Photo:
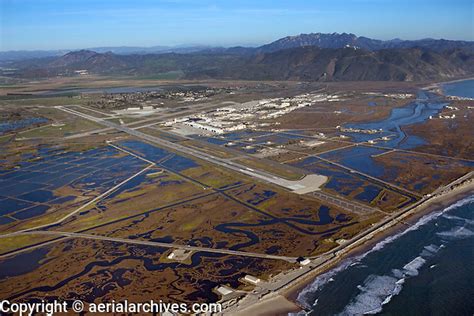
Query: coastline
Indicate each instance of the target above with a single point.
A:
(429, 207)
(437, 87)
(284, 301)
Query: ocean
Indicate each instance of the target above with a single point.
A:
(426, 269)
(463, 88)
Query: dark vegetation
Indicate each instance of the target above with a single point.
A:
(307, 57)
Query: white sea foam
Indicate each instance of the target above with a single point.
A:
(413, 266)
(320, 281)
(430, 250)
(323, 279)
(459, 219)
(401, 281)
(460, 232)
(376, 291)
(433, 248)
(397, 273)
(379, 290)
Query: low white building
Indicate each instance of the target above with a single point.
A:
(251, 279)
(205, 127)
(305, 262)
(224, 290)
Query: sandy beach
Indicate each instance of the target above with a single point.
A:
(276, 305)
(437, 87)
(283, 301)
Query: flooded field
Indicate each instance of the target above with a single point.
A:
(391, 278)
(20, 124)
(251, 142)
(176, 201)
(139, 217)
(54, 180)
(364, 190)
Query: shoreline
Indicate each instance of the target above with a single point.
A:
(437, 87)
(428, 208)
(284, 300)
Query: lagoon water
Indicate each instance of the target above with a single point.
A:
(425, 270)
(460, 89)
(417, 112)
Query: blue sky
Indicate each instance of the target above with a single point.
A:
(71, 24)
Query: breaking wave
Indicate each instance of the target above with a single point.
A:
(375, 291)
(460, 232)
(378, 290)
(431, 250)
(460, 219)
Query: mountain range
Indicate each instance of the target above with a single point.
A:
(311, 57)
(336, 40)
(17, 55)
(323, 40)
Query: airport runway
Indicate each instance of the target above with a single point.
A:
(226, 163)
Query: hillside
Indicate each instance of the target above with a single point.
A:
(308, 63)
(336, 40)
(321, 40)
(311, 63)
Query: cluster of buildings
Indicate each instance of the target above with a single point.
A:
(150, 98)
(447, 116)
(374, 141)
(251, 114)
(81, 72)
(127, 100)
(138, 111)
(359, 130)
(453, 97)
(391, 95)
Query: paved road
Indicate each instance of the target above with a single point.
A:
(105, 115)
(227, 163)
(189, 110)
(79, 209)
(377, 180)
(166, 245)
(150, 121)
(350, 144)
(351, 206)
(387, 184)
(386, 148)
(332, 257)
(230, 164)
